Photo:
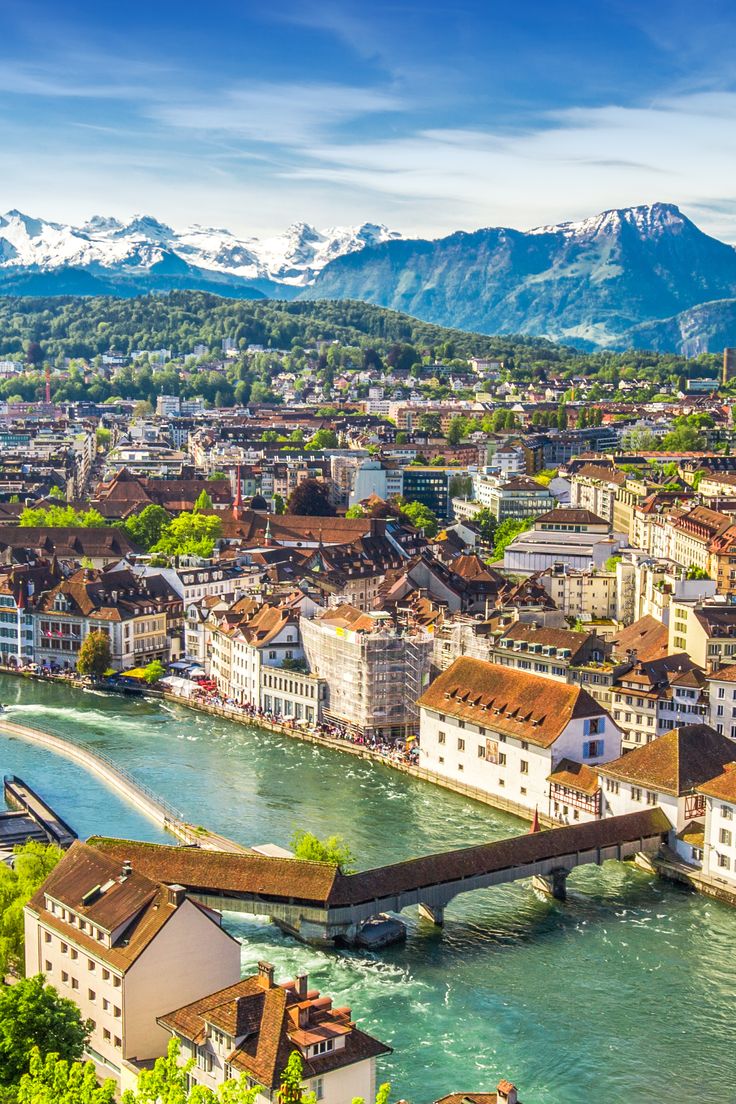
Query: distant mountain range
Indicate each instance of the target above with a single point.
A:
(108, 257)
(642, 277)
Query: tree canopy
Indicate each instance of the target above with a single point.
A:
(145, 528)
(33, 863)
(33, 1014)
(333, 849)
(61, 517)
(189, 534)
(421, 517)
(94, 657)
(310, 498)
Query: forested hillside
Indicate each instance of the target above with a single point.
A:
(84, 327)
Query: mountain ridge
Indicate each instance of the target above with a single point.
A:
(626, 276)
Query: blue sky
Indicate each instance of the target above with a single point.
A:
(429, 117)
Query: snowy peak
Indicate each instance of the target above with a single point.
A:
(647, 220)
(106, 244)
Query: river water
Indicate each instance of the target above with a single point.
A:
(623, 993)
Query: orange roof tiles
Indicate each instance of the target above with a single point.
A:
(515, 703)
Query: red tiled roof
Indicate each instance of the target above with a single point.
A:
(676, 762)
(515, 703)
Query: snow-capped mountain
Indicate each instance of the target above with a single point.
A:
(589, 283)
(638, 276)
(104, 249)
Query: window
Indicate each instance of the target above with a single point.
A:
(47, 937)
(502, 759)
(318, 1088)
(105, 1003)
(47, 966)
(119, 1043)
(90, 964)
(106, 1035)
(204, 1059)
(64, 976)
(724, 862)
(64, 948)
(74, 954)
(105, 975)
(461, 724)
(460, 744)
(592, 749)
(75, 983)
(524, 766)
(726, 812)
(481, 751)
(441, 737)
(725, 837)
(651, 798)
(635, 793)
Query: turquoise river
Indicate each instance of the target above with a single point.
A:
(623, 993)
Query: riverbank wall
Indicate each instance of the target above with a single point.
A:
(360, 751)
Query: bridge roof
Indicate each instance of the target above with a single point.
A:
(488, 858)
(227, 872)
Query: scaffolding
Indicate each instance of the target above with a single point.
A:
(374, 678)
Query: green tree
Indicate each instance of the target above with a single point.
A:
(103, 437)
(612, 562)
(190, 534)
(145, 528)
(310, 498)
(324, 439)
(431, 424)
(292, 1076)
(506, 532)
(167, 1083)
(33, 1014)
(486, 522)
(694, 572)
(94, 656)
(333, 849)
(683, 438)
(142, 409)
(54, 1080)
(154, 671)
(456, 430)
(356, 511)
(32, 865)
(421, 517)
(279, 506)
(61, 517)
(204, 502)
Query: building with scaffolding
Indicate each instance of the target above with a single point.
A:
(375, 670)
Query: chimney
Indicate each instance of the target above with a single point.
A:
(506, 1093)
(266, 971)
(300, 985)
(127, 869)
(175, 895)
(304, 1016)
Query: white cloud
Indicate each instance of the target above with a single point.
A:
(573, 163)
(280, 114)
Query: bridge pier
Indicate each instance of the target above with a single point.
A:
(435, 913)
(553, 884)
